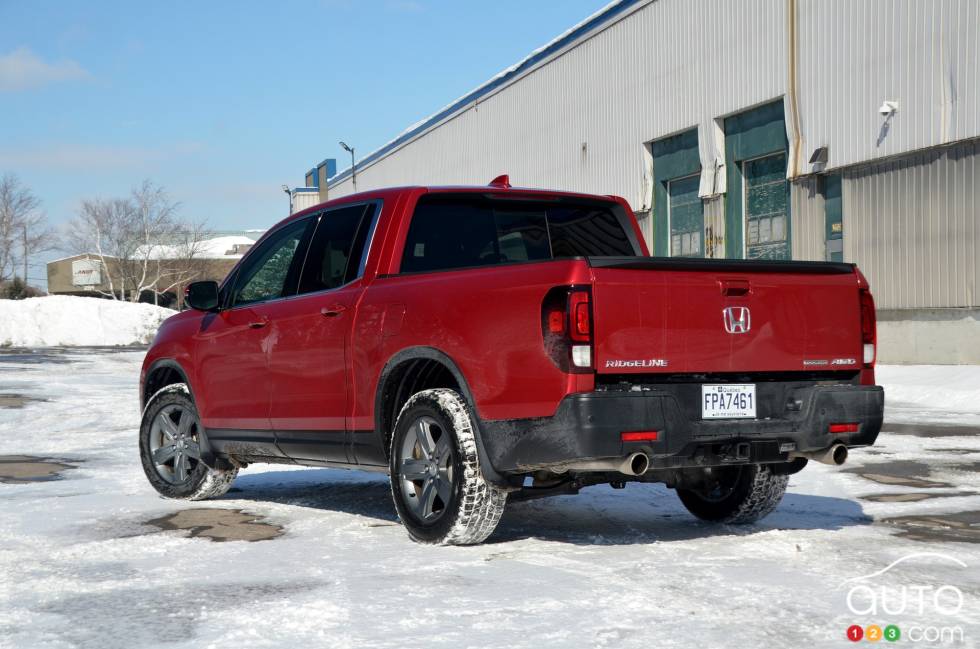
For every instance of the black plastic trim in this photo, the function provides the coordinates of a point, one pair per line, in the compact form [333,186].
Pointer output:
[431,353]
[588,425]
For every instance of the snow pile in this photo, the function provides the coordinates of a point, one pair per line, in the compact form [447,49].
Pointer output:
[63,320]
[946,388]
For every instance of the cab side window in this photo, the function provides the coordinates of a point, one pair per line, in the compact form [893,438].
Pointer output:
[268,272]
[334,256]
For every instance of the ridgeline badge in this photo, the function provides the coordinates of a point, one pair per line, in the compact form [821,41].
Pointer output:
[650,362]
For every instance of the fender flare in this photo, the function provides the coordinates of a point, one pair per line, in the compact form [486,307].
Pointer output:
[154,366]
[433,354]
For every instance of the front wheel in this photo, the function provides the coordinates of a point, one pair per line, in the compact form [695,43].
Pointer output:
[439,492]
[170,448]
[735,494]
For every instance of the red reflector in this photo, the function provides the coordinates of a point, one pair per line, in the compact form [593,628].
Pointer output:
[640,436]
[556,322]
[843,428]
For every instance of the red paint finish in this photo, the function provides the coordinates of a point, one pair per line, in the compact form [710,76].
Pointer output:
[313,362]
[674,320]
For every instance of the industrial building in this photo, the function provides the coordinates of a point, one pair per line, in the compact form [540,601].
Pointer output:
[781,129]
[88,274]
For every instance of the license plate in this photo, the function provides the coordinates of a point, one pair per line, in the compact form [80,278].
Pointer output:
[729,401]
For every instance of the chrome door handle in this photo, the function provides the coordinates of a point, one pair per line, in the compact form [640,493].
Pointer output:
[333,310]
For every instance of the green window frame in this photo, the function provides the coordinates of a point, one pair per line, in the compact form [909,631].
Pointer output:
[756,133]
[676,163]
[766,207]
[685,217]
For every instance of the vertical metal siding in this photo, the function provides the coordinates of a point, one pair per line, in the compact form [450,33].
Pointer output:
[855,55]
[913,226]
[660,70]
[808,220]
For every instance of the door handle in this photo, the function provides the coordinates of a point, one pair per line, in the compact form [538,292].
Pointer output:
[258,324]
[333,310]
[734,287]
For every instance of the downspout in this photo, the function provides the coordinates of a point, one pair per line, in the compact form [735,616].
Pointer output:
[793,169]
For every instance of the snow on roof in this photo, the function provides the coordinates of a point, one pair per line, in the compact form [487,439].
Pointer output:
[231,247]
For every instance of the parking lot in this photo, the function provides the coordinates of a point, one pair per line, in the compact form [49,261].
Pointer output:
[90,556]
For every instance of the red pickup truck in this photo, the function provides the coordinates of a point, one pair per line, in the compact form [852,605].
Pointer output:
[486,343]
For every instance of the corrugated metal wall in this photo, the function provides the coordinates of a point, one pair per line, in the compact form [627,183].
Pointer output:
[808,220]
[581,121]
[855,55]
[913,226]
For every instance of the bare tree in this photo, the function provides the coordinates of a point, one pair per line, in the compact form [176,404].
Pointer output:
[23,229]
[141,243]
[101,228]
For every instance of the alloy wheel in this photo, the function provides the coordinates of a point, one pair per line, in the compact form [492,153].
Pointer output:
[174,443]
[426,469]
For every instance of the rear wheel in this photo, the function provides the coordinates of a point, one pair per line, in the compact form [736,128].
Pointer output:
[439,492]
[735,494]
[170,448]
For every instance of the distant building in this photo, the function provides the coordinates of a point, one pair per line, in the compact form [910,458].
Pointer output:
[85,275]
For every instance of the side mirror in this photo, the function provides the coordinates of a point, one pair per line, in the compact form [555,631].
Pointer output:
[202,296]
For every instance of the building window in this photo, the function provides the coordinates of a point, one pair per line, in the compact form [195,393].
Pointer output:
[678,212]
[757,215]
[686,217]
[764,206]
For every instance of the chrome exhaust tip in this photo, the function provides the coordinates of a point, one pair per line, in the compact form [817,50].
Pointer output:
[835,455]
[635,464]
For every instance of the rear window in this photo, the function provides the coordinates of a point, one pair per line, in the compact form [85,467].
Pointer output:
[463,231]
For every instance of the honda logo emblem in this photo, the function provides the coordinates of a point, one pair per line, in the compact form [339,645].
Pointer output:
[737,319]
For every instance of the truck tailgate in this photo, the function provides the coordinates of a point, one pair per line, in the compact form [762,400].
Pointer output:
[669,316]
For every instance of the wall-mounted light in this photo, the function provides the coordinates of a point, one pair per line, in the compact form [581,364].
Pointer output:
[819,156]
[888,108]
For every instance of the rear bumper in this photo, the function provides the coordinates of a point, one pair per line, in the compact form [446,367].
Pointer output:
[588,426]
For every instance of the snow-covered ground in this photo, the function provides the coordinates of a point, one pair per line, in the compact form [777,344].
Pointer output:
[65,320]
[81,567]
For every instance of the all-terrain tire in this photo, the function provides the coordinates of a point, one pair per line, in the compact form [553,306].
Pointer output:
[754,493]
[474,505]
[202,482]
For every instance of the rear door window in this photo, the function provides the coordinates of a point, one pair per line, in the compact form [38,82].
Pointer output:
[470,230]
[338,244]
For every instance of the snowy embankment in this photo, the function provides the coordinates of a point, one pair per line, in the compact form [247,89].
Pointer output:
[946,392]
[62,320]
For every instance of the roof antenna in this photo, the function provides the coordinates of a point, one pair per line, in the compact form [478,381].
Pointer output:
[502,181]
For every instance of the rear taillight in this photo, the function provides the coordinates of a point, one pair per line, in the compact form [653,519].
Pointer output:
[869,327]
[566,324]
[843,428]
[579,309]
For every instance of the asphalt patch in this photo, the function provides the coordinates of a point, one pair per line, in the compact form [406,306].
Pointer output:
[219,525]
[8,400]
[900,473]
[931,430]
[23,469]
[962,527]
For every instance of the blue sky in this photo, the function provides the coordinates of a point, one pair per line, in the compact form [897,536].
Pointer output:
[223,102]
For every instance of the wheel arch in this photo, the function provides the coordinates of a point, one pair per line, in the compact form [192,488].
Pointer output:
[161,373]
[418,368]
